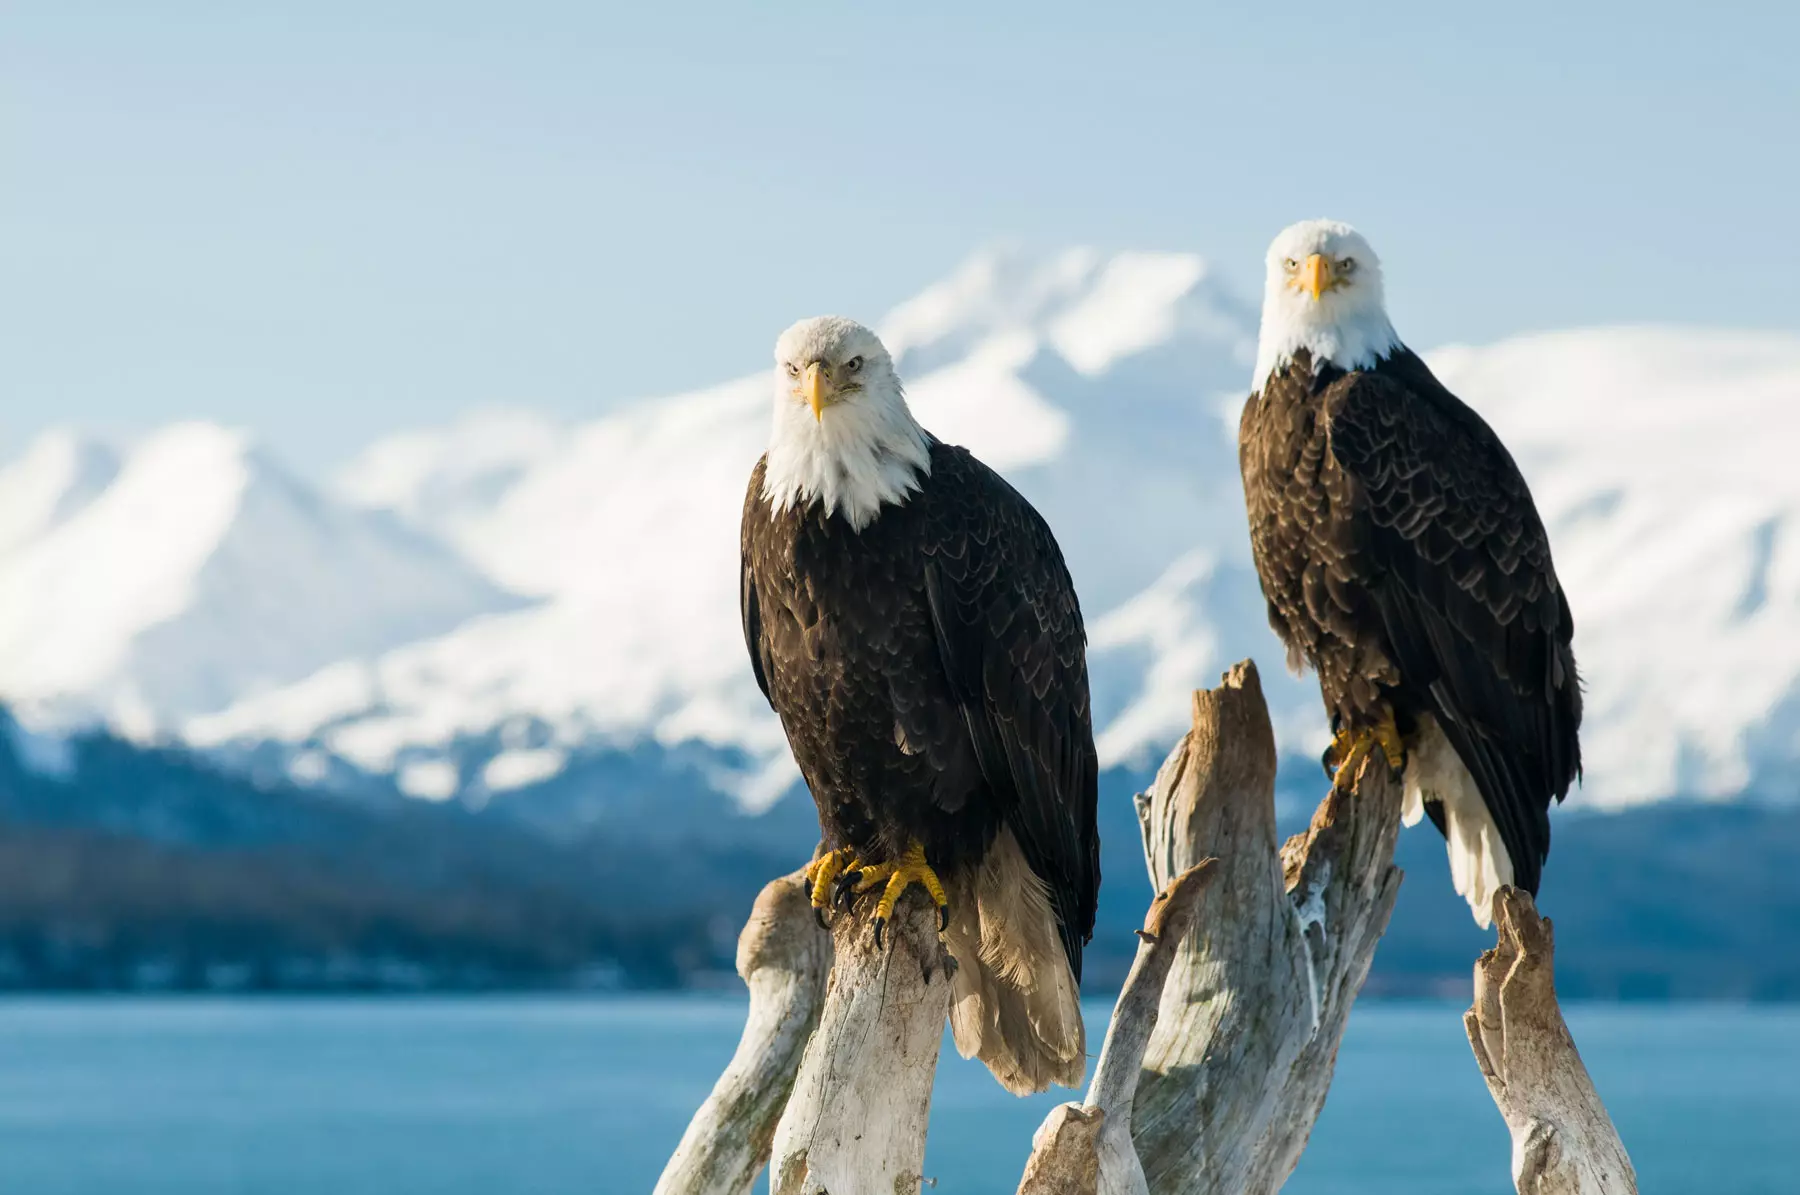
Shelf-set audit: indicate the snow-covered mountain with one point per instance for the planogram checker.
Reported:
(1107, 389)
(193, 571)
(1096, 383)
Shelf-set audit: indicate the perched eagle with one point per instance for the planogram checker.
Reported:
(1403, 558)
(910, 618)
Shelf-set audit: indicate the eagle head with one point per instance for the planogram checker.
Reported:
(829, 360)
(842, 434)
(1322, 292)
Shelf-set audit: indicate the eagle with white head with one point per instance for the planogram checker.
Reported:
(909, 617)
(1402, 557)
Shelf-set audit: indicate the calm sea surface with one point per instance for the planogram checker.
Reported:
(545, 1097)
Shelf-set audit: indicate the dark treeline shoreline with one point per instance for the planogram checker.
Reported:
(127, 869)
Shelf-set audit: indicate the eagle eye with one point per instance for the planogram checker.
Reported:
(1347, 266)
(1289, 264)
(793, 370)
(852, 365)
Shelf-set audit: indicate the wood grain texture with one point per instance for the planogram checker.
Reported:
(1564, 1143)
(857, 1116)
(1244, 1048)
(784, 957)
(1086, 1148)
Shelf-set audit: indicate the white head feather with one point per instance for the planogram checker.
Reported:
(863, 449)
(1346, 324)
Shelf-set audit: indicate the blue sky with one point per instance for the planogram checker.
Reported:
(325, 221)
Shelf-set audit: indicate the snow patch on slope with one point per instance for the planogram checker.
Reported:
(629, 528)
(203, 572)
(59, 473)
(440, 478)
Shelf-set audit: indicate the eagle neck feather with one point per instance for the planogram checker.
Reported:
(860, 457)
(1356, 339)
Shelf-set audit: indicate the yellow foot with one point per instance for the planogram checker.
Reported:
(1350, 751)
(1334, 756)
(821, 872)
(894, 879)
(1387, 737)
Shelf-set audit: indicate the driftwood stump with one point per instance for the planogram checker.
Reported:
(1221, 1047)
(856, 1119)
(1086, 1148)
(1564, 1143)
(784, 957)
(1252, 1014)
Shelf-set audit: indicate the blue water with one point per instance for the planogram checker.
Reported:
(544, 1096)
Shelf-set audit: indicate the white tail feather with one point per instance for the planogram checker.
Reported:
(1479, 864)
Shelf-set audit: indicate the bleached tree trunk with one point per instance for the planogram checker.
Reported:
(1223, 1042)
(1252, 1013)
(784, 957)
(1086, 1148)
(856, 1119)
(1564, 1143)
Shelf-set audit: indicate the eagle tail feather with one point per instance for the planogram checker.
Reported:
(1439, 782)
(1014, 1001)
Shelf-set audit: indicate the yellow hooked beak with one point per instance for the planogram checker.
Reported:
(816, 390)
(1315, 275)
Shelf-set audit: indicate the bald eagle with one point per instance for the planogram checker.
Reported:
(1403, 559)
(910, 619)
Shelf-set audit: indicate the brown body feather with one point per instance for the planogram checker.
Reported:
(930, 671)
(1402, 556)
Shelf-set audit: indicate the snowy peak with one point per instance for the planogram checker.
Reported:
(201, 570)
(1090, 308)
(59, 473)
(78, 594)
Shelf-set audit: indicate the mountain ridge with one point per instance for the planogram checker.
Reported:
(175, 578)
(1106, 388)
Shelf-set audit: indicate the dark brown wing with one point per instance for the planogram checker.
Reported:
(1010, 632)
(1467, 593)
(748, 610)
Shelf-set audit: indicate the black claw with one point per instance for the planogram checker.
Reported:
(846, 889)
(1328, 761)
(819, 916)
(880, 928)
(943, 918)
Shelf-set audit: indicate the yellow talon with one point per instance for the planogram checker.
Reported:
(1387, 736)
(822, 871)
(1349, 752)
(1349, 769)
(1335, 754)
(895, 878)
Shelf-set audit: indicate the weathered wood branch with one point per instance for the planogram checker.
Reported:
(1086, 1148)
(857, 1116)
(1564, 1143)
(1223, 1042)
(784, 957)
(1243, 1052)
